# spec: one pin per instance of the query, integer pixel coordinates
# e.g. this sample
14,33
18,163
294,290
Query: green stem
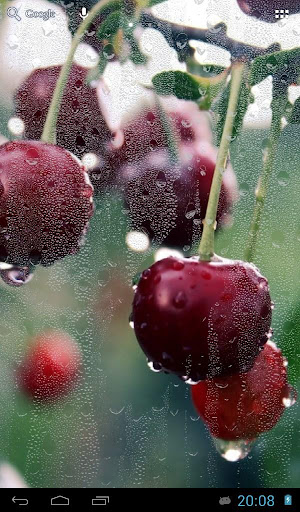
49,131
206,248
169,133
278,105
2,9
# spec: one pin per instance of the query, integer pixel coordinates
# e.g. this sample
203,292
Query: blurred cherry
168,201
50,367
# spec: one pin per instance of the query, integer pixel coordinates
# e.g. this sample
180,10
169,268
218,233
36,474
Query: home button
60,500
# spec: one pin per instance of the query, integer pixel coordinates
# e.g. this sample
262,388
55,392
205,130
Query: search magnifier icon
12,12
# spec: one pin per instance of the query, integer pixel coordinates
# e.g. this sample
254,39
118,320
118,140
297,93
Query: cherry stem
216,35
49,131
278,106
206,248
169,132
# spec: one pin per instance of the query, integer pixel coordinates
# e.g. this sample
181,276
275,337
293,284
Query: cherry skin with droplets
168,201
245,405
81,127
46,201
201,319
265,9
144,132
51,366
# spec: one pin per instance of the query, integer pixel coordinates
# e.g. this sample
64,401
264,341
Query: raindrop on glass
155,367
131,323
290,400
135,280
233,451
16,276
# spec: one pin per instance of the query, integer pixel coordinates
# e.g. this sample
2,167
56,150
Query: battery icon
288,499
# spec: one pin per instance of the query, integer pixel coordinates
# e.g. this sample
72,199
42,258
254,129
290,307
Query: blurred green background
125,426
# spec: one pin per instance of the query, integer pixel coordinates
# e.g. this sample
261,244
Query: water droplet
233,451
190,381
283,178
155,367
153,145
181,41
272,62
244,189
35,257
108,51
32,156
180,300
135,280
178,265
290,400
221,385
146,273
202,91
186,123
131,323
231,138
117,412
161,180
190,211
16,276
263,284
150,118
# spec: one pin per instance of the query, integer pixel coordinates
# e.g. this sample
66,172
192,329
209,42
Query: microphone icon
83,14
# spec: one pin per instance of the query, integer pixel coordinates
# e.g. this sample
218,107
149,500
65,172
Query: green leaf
285,64
136,55
221,107
180,84
116,29
110,26
203,70
151,3
186,86
295,113
216,76
144,4
102,65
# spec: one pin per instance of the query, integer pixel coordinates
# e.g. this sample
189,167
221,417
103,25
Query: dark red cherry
144,133
45,203
81,127
265,9
50,367
201,319
167,201
246,405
